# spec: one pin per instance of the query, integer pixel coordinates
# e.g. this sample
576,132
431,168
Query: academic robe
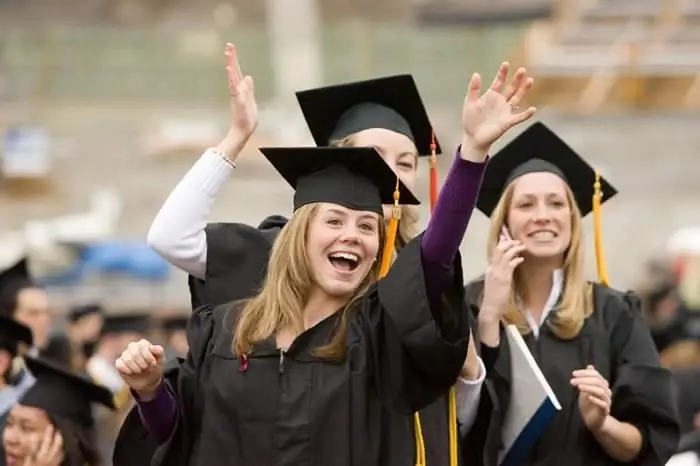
616,341
290,408
237,256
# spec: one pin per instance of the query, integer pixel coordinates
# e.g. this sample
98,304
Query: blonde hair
408,225
576,303
287,288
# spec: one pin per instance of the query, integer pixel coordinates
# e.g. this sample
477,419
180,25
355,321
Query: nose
350,235
542,214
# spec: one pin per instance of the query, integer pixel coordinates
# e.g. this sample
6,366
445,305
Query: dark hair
9,296
78,443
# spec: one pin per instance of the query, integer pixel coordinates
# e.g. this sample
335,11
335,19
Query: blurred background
105,104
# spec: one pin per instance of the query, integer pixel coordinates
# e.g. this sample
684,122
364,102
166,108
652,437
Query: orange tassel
388,254
433,173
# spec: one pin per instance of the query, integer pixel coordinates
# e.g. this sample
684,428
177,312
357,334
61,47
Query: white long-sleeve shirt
178,235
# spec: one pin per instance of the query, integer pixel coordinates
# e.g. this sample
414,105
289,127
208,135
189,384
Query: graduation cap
538,149
12,280
12,333
175,323
62,393
393,102
128,323
353,177
76,313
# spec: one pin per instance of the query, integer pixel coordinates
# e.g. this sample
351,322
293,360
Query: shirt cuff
210,172
479,380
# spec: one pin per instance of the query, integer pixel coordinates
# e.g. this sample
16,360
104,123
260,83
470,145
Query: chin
540,251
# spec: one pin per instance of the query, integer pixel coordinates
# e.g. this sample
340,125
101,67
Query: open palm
244,108
485,118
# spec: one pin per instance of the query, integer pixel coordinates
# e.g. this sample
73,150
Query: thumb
590,367
158,352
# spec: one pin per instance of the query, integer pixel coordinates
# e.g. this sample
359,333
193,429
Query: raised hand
485,118
595,397
141,367
499,276
244,108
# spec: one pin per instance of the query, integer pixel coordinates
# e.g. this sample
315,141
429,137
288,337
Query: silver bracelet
224,157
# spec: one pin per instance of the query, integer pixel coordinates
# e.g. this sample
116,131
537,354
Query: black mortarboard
12,333
62,393
175,323
12,280
538,149
128,323
19,272
392,102
76,313
354,177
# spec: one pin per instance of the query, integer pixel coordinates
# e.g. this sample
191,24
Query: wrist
472,152
149,393
232,144
605,428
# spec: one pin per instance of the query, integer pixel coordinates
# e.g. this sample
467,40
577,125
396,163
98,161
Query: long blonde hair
576,303
287,288
408,225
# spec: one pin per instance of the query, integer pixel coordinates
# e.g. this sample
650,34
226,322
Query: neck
319,306
537,279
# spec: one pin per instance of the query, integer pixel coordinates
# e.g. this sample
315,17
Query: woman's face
539,215
24,428
397,150
342,245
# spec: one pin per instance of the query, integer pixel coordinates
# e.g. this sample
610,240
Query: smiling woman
581,334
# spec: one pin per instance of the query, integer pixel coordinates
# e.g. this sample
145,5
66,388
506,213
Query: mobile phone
506,233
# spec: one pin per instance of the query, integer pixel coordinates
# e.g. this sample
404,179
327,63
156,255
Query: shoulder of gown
233,248
644,393
419,349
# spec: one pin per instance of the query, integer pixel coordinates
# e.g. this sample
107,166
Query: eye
334,221
367,227
406,164
558,203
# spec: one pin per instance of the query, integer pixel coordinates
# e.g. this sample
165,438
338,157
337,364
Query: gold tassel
598,232
391,231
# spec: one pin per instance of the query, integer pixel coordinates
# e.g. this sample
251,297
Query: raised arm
178,231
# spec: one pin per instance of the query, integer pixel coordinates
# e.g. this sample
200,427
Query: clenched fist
141,367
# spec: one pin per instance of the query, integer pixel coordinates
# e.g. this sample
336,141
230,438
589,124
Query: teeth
542,234
345,255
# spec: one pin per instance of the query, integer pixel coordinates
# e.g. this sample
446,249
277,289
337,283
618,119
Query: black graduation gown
237,256
134,445
292,409
617,342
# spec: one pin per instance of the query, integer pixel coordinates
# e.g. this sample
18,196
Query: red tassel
244,363
433,173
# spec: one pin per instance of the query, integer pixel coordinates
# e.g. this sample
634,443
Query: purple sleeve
159,414
448,224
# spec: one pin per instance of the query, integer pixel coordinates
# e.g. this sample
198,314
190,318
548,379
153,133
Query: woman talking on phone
588,339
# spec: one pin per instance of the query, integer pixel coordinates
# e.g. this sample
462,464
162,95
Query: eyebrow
345,214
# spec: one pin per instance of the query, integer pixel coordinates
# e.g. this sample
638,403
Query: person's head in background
12,335
53,423
23,300
175,328
536,191
85,324
386,114
119,330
